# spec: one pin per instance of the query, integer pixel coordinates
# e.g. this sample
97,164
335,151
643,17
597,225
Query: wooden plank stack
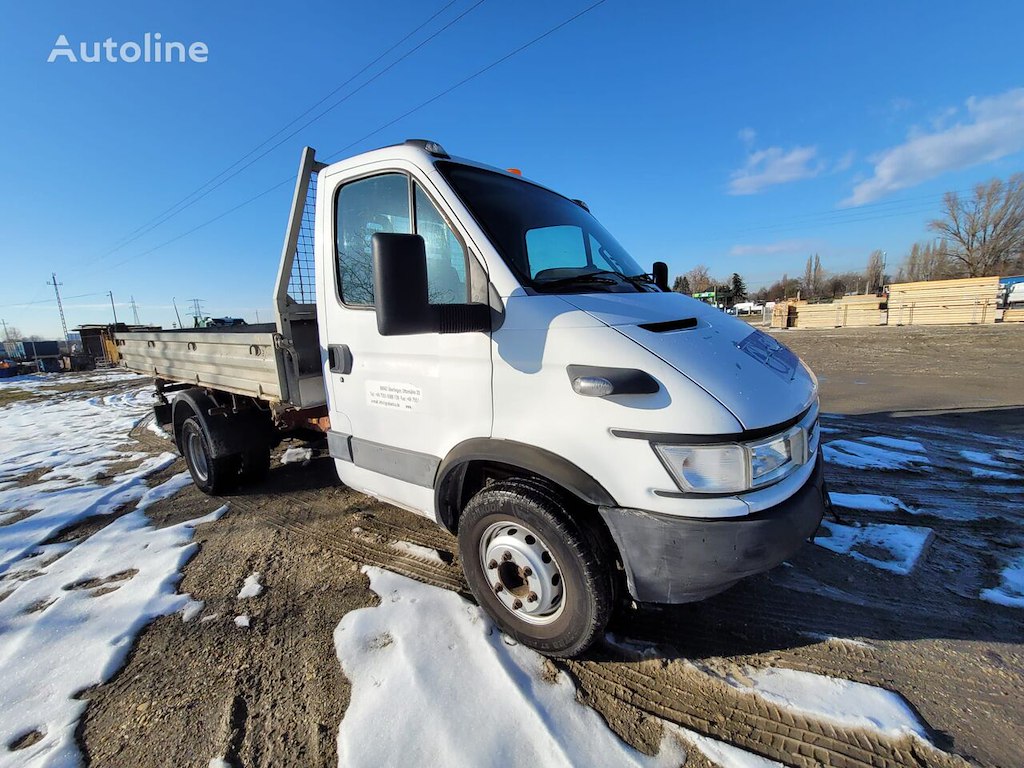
847,312
1013,315
944,302
781,314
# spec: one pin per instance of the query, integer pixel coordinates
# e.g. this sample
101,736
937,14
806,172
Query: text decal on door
393,394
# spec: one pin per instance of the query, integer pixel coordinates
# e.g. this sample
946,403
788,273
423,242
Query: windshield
551,243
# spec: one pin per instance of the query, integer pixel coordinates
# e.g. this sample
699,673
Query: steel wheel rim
197,453
522,573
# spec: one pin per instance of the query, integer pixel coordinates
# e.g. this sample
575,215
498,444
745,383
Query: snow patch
71,626
427,656
251,587
855,705
726,755
868,502
242,621
896,443
70,445
415,549
297,456
1010,591
993,474
159,431
985,459
895,548
861,455
192,609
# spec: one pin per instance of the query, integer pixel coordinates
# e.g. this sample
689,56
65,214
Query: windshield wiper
586,277
641,279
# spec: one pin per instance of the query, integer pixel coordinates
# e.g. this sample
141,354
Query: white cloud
844,162
766,249
774,165
994,128
747,135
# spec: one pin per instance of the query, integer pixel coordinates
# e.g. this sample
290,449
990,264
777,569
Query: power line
199,193
445,92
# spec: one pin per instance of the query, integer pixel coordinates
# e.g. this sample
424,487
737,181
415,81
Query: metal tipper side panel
242,363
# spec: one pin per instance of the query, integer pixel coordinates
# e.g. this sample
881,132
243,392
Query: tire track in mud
699,702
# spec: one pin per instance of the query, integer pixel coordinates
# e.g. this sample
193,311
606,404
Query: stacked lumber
944,302
849,311
781,313
1013,315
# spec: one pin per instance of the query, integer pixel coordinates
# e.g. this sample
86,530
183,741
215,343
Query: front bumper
680,560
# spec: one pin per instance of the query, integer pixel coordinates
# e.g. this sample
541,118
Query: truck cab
481,351
496,361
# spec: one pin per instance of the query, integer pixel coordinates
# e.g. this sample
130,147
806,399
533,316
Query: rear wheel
210,475
542,574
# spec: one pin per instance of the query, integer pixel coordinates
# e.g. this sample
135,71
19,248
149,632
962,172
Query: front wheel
542,574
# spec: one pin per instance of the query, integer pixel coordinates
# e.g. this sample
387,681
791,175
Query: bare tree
13,334
984,233
699,279
814,278
928,261
873,274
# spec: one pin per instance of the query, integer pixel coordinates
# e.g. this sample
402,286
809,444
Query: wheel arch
471,464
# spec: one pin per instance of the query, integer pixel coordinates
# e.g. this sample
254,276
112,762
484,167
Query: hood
756,377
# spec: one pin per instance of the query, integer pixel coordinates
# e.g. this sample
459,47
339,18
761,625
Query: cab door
397,404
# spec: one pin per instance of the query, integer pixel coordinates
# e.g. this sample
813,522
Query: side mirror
400,285
401,294
660,274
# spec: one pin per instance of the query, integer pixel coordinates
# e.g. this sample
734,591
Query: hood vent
670,325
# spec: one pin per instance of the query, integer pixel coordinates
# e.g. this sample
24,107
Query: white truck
478,349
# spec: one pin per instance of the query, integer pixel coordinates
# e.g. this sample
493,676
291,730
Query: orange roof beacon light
516,171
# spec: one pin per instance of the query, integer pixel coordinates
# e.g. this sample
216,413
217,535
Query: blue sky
742,135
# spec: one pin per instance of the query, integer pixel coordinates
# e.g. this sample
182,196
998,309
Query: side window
446,255
365,207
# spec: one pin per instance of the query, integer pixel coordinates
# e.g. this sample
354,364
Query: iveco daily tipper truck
478,349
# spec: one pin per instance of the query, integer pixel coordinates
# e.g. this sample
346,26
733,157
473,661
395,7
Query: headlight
737,467
775,457
706,468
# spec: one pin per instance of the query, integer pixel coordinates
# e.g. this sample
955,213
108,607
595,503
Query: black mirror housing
660,274
401,292
400,285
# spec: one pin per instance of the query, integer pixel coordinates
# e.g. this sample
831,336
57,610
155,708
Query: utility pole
60,306
135,311
197,311
112,309
176,311
7,335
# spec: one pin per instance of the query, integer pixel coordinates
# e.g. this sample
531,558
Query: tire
544,575
211,476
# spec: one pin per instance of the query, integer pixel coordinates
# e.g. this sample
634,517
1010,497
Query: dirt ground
274,694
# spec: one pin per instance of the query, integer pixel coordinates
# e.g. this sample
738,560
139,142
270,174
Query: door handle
340,358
